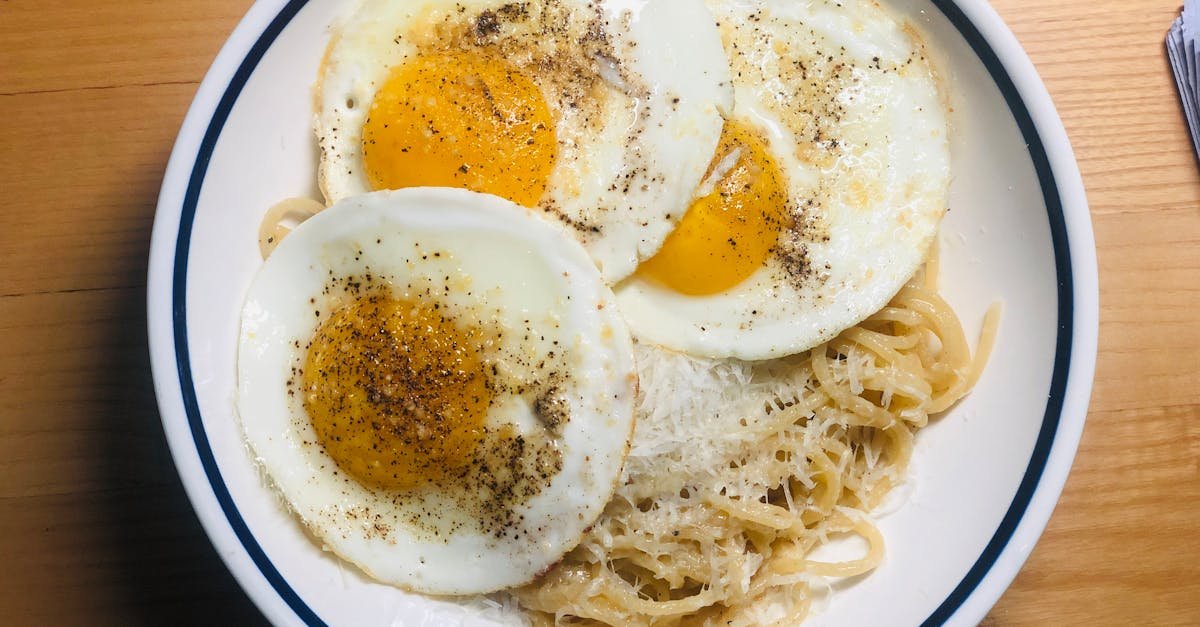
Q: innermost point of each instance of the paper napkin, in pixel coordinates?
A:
(1181, 49)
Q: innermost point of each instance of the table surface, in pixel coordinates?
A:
(95, 527)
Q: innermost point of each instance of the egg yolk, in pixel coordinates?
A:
(461, 119)
(396, 391)
(726, 235)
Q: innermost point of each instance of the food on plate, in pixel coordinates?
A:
(824, 194)
(441, 383)
(281, 218)
(447, 423)
(740, 470)
(601, 114)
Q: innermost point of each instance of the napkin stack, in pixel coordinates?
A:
(1181, 49)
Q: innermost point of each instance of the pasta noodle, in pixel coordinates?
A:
(717, 525)
(281, 218)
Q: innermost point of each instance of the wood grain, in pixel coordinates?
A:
(95, 528)
(94, 525)
(1116, 551)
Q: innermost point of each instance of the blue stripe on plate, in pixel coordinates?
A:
(179, 307)
(1062, 350)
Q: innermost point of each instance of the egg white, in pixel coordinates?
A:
(852, 110)
(502, 262)
(625, 174)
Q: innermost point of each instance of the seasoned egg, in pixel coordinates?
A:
(438, 384)
(602, 115)
(823, 196)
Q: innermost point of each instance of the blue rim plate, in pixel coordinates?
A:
(1006, 519)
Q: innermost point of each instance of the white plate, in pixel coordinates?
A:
(986, 476)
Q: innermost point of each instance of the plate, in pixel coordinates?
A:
(985, 477)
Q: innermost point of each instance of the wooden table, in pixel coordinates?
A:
(94, 525)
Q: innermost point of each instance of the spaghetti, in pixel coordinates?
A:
(739, 470)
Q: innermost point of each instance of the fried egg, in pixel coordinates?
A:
(825, 192)
(448, 423)
(603, 115)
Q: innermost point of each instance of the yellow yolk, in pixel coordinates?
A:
(461, 119)
(728, 234)
(396, 391)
